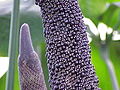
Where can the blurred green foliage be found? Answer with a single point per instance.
(97, 11)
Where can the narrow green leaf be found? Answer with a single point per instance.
(13, 45)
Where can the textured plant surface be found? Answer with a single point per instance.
(30, 70)
(68, 52)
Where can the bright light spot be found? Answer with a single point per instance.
(89, 38)
(116, 35)
(102, 28)
(91, 25)
(109, 30)
(4, 63)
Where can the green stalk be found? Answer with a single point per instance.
(13, 45)
(105, 56)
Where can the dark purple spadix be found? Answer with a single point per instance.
(30, 70)
(68, 51)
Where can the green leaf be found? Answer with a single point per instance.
(4, 34)
(115, 57)
(92, 8)
(111, 17)
(101, 68)
(111, 1)
(44, 62)
(2, 82)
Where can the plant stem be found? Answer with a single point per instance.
(105, 55)
(13, 45)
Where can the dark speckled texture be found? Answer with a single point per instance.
(68, 51)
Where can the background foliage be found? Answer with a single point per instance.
(106, 11)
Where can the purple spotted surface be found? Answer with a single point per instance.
(68, 51)
(30, 70)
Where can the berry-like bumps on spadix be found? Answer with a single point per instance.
(68, 51)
